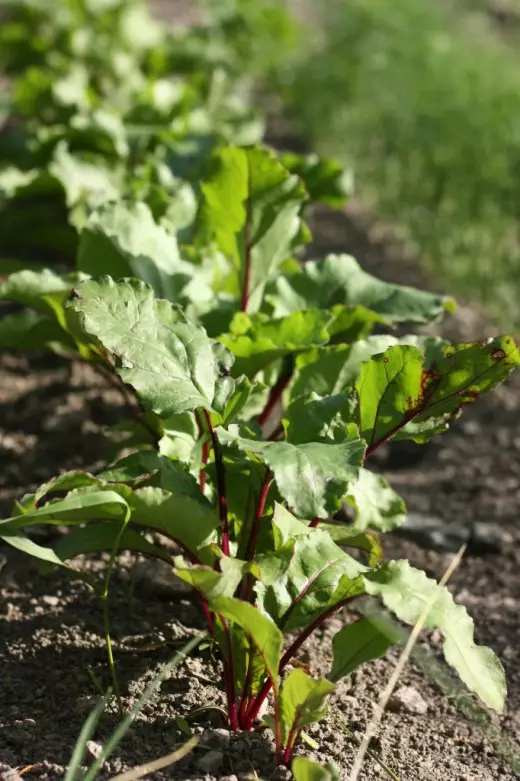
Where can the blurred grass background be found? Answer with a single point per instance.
(422, 100)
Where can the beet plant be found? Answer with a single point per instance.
(264, 393)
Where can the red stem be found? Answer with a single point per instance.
(247, 584)
(247, 256)
(229, 678)
(274, 397)
(221, 485)
(256, 704)
(244, 704)
(205, 610)
(314, 523)
(260, 507)
(291, 740)
(202, 473)
(276, 434)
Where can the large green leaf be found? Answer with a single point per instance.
(215, 584)
(315, 574)
(330, 370)
(261, 630)
(407, 592)
(256, 341)
(311, 477)
(79, 506)
(313, 417)
(339, 279)
(123, 240)
(403, 393)
(169, 363)
(325, 179)
(32, 331)
(96, 537)
(366, 639)
(250, 208)
(42, 290)
(378, 507)
(192, 522)
(150, 468)
(303, 700)
(47, 556)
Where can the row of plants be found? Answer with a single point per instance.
(145, 229)
(429, 129)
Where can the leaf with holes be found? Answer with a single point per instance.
(405, 395)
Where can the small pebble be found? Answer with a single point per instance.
(281, 773)
(216, 738)
(408, 699)
(51, 601)
(210, 762)
(94, 749)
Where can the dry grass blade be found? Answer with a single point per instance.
(407, 650)
(158, 764)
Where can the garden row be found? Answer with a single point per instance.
(146, 230)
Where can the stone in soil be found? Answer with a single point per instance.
(406, 698)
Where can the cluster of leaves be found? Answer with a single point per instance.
(261, 389)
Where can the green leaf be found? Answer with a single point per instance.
(243, 389)
(360, 642)
(347, 537)
(303, 700)
(318, 575)
(77, 507)
(146, 464)
(311, 477)
(325, 179)
(407, 592)
(378, 507)
(262, 632)
(32, 331)
(97, 537)
(42, 290)
(192, 522)
(304, 769)
(123, 240)
(169, 363)
(339, 279)
(84, 183)
(250, 208)
(215, 584)
(328, 371)
(402, 392)
(257, 341)
(24, 544)
(313, 417)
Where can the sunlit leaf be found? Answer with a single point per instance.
(407, 592)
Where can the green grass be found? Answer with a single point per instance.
(423, 101)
